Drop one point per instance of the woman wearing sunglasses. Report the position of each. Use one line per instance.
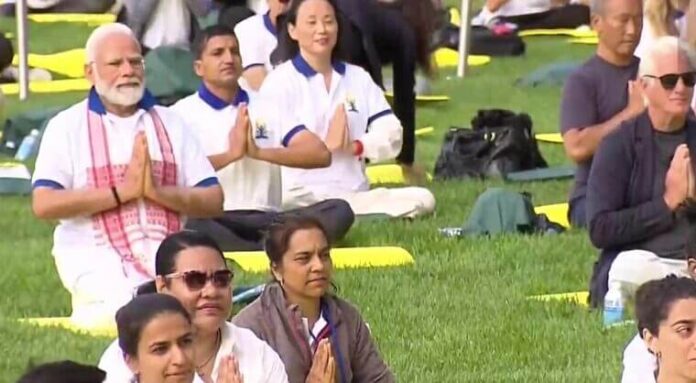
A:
(190, 267)
(320, 337)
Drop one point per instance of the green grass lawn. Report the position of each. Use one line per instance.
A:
(458, 315)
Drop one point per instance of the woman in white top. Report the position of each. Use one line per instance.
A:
(666, 316)
(191, 267)
(314, 89)
(257, 38)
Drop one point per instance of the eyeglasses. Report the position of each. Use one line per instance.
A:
(669, 81)
(196, 280)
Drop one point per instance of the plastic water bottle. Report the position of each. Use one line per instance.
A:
(613, 305)
(28, 145)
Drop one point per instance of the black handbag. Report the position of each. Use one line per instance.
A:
(500, 142)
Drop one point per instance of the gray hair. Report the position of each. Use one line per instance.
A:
(102, 32)
(597, 7)
(665, 45)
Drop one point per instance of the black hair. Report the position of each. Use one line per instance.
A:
(132, 318)
(202, 38)
(279, 234)
(168, 252)
(63, 372)
(230, 16)
(654, 300)
(6, 52)
(288, 48)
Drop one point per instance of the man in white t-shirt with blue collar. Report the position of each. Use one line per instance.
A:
(258, 37)
(247, 152)
(119, 173)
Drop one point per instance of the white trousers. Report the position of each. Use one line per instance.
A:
(635, 267)
(97, 293)
(405, 202)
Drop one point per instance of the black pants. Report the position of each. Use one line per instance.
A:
(243, 230)
(396, 44)
(569, 16)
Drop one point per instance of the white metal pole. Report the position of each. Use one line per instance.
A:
(464, 27)
(22, 39)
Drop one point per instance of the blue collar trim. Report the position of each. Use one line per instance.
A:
(216, 102)
(302, 66)
(269, 24)
(96, 105)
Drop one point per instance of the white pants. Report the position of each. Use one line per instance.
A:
(406, 202)
(635, 267)
(97, 293)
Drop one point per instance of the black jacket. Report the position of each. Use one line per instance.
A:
(621, 208)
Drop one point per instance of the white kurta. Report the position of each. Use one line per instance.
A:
(258, 363)
(87, 264)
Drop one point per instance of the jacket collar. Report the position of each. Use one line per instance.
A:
(96, 105)
(273, 296)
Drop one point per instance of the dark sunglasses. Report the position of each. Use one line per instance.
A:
(196, 280)
(669, 81)
(283, 1)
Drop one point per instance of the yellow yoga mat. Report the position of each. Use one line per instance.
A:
(67, 324)
(55, 86)
(455, 16)
(352, 257)
(578, 297)
(424, 131)
(423, 98)
(557, 213)
(69, 63)
(553, 138)
(89, 18)
(387, 174)
(577, 33)
(584, 40)
(446, 57)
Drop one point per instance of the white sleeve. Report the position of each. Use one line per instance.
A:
(274, 367)
(195, 167)
(639, 364)
(250, 49)
(54, 167)
(113, 363)
(384, 132)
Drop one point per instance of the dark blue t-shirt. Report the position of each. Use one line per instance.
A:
(593, 94)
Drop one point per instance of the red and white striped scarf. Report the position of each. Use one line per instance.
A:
(122, 226)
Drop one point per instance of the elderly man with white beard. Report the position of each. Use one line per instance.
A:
(119, 174)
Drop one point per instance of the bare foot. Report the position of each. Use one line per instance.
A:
(414, 174)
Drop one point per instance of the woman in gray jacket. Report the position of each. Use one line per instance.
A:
(319, 337)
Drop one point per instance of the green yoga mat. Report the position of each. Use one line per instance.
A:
(543, 174)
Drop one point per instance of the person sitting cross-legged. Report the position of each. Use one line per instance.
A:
(641, 177)
(119, 173)
(313, 90)
(602, 93)
(247, 160)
